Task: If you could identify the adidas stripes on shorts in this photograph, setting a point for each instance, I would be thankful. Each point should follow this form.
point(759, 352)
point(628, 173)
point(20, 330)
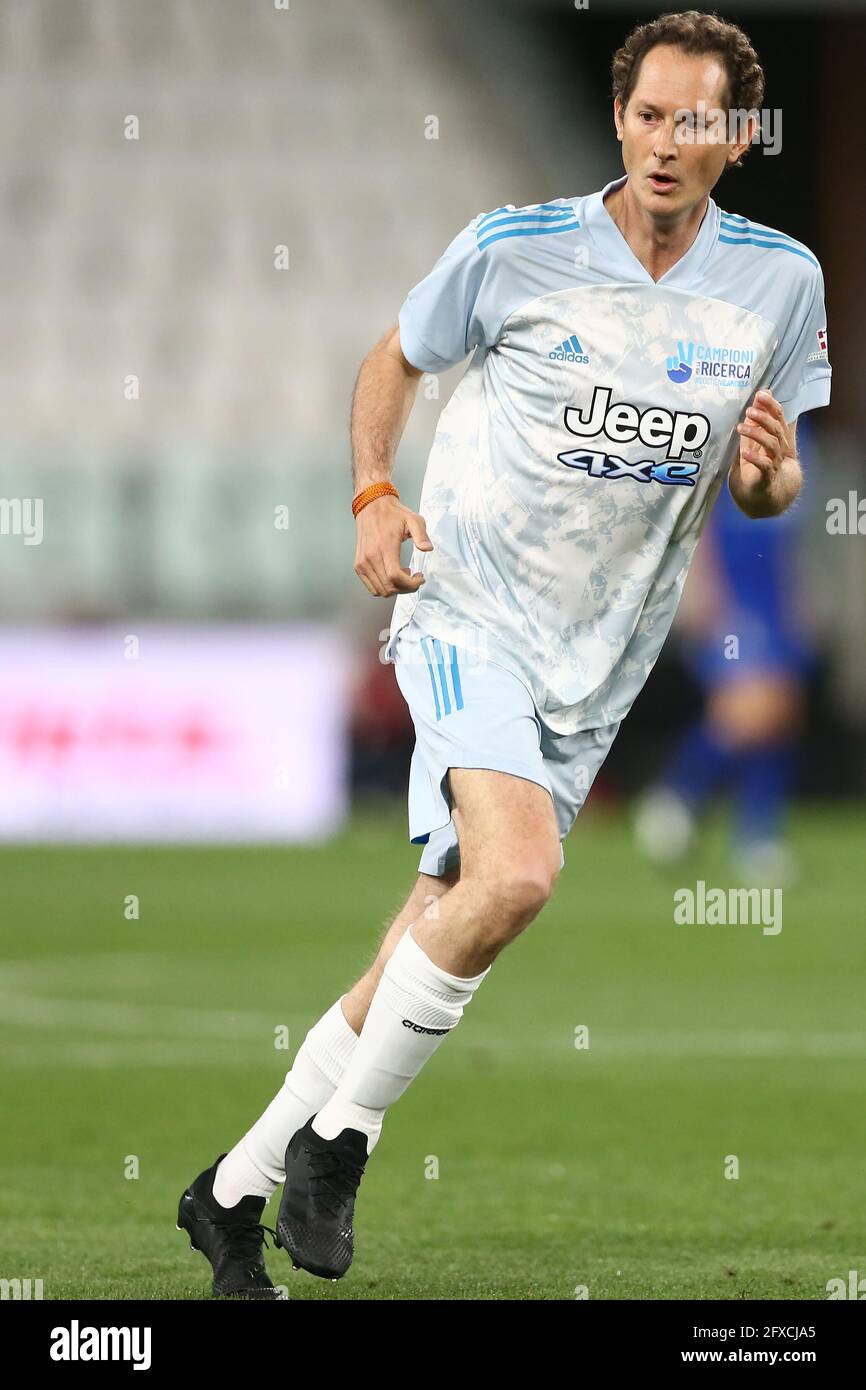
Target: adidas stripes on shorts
point(471, 712)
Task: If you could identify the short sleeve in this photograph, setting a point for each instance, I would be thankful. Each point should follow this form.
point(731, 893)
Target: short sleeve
point(442, 320)
point(802, 368)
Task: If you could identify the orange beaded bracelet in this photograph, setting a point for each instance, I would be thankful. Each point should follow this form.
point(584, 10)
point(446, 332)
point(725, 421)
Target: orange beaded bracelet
point(369, 494)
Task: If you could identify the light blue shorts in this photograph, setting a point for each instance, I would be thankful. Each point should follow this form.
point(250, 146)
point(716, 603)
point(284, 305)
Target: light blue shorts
point(471, 712)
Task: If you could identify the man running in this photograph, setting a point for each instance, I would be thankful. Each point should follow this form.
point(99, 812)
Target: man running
point(632, 350)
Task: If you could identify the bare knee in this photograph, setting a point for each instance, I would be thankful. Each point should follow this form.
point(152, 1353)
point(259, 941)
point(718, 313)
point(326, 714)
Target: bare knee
point(524, 887)
point(513, 893)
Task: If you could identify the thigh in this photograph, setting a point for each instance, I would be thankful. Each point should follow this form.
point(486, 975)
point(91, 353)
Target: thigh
point(502, 819)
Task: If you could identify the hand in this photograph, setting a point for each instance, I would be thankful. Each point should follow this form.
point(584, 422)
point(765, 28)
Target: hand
point(680, 365)
point(764, 443)
point(383, 525)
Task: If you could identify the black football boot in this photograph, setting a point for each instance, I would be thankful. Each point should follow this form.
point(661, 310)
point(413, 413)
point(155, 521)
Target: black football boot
point(315, 1217)
point(232, 1238)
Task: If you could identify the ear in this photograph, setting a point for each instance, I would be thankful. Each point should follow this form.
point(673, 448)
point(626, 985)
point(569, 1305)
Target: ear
point(738, 147)
point(617, 116)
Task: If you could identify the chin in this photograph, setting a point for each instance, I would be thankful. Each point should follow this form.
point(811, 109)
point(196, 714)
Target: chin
point(659, 202)
point(662, 204)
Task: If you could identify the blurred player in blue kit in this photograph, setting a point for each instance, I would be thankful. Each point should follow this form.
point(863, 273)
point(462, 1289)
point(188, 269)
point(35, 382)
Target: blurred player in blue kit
point(749, 645)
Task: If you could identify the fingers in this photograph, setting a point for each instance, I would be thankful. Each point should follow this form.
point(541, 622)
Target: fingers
point(417, 530)
point(762, 434)
point(406, 582)
point(369, 578)
point(377, 569)
point(385, 578)
point(767, 401)
point(372, 564)
point(377, 558)
point(773, 423)
point(761, 458)
point(767, 430)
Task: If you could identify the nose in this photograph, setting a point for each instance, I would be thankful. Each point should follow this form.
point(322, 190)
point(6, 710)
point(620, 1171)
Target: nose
point(665, 142)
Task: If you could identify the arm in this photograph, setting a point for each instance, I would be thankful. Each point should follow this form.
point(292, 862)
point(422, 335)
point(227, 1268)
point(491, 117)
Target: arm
point(384, 396)
point(765, 478)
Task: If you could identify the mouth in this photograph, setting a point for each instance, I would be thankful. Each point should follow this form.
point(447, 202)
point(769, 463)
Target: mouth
point(661, 182)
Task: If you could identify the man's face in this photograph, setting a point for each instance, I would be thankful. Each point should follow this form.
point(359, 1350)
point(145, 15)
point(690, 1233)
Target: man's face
point(668, 175)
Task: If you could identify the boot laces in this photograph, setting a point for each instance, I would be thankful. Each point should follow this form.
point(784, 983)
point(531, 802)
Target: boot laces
point(244, 1241)
point(334, 1179)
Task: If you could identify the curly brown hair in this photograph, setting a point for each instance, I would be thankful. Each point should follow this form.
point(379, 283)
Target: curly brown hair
point(694, 32)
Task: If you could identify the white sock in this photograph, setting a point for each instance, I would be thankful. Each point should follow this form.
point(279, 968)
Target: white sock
point(415, 1005)
point(255, 1165)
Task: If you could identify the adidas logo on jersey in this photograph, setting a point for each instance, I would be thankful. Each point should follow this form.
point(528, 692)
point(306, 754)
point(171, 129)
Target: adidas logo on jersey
point(569, 351)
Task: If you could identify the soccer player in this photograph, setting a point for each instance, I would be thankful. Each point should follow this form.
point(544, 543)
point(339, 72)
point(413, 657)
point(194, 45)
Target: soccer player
point(631, 350)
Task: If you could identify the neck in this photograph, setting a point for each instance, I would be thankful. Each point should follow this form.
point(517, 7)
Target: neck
point(657, 244)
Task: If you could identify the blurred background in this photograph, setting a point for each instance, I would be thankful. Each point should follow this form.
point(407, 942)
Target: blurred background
point(211, 209)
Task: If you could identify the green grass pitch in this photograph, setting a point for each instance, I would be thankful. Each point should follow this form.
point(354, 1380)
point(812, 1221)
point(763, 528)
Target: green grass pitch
point(559, 1168)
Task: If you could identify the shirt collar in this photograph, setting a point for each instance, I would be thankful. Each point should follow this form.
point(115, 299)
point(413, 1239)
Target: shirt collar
point(617, 252)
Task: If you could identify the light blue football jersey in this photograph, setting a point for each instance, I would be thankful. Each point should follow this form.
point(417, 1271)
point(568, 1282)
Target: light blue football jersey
point(576, 463)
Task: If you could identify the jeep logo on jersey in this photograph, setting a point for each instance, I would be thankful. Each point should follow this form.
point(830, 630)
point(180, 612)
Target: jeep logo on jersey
point(677, 431)
point(656, 428)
